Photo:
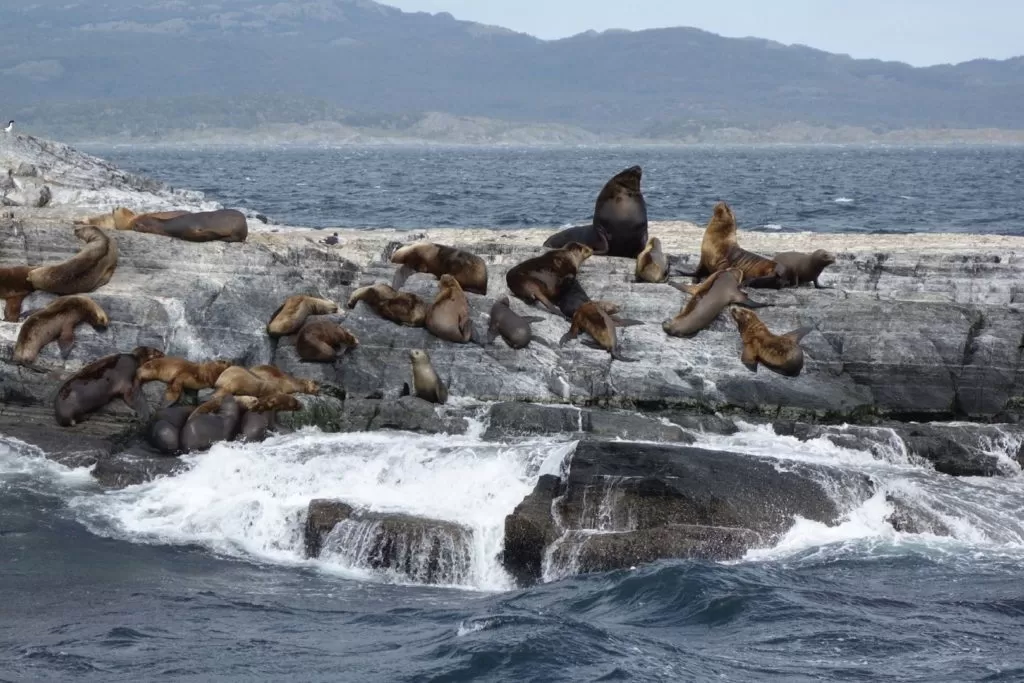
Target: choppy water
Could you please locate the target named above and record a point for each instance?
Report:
(830, 189)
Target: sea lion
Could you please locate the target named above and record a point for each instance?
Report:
(89, 269)
(181, 375)
(708, 299)
(225, 225)
(448, 317)
(320, 341)
(779, 353)
(804, 268)
(165, 431)
(261, 415)
(122, 218)
(651, 264)
(571, 298)
(203, 429)
(620, 219)
(719, 251)
(404, 308)
(593, 318)
(57, 321)
(285, 382)
(238, 381)
(426, 384)
(292, 314)
(438, 259)
(95, 385)
(513, 328)
(14, 287)
(544, 278)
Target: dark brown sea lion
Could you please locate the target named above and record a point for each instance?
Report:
(14, 287)
(779, 353)
(707, 301)
(438, 259)
(571, 298)
(620, 219)
(225, 225)
(285, 382)
(292, 314)
(203, 429)
(165, 431)
(803, 268)
(448, 317)
(57, 321)
(181, 375)
(593, 318)
(261, 415)
(651, 264)
(425, 381)
(544, 278)
(320, 341)
(89, 269)
(98, 383)
(719, 251)
(513, 328)
(404, 308)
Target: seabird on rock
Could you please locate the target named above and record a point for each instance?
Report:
(10, 126)
(332, 240)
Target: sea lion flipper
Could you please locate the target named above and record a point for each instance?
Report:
(590, 343)
(401, 275)
(543, 342)
(66, 340)
(685, 289)
(492, 334)
(533, 318)
(749, 358)
(12, 308)
(626, 322)
(567, 337)
(619, 357)
(799, 333)
(743, 300)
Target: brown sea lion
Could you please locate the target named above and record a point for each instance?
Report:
(448, 317)
(286, 383)
(238, 381)
(320, 341)
(275, 403)
(14, 287)
(544, 278)
(122, 218)
(203, 429)
(181, 375)
(803, 268)
(225, 225)
(438, 259)
(620, 219)
(425, 381)
(719, 251)
(708, 299)
(292, 314)
(779, 353)
(57, 321)
(513, 328)
(651, 264)
(261, 415)
(593, 318)
(404, 308)
(98, 383)
(89, 269)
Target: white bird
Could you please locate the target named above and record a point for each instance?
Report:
(10, 126)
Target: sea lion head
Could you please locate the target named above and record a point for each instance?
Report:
(419, 356)
(630, 178)
(309, 386)
(99, 317)
(88, 233)
(144, 354)
(654, 243)
(503, 300)
(723, 212)
(742, 316)
(822, 257)
(579, 252)
(123, 218)
(609, 307)
(736, 274)
(402, 253)
(449, 282)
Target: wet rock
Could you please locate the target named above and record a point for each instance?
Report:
(133, 468)
(910, 518)
(526, 419)
(633, 427)
(529, 530)
(321, 518)
(712, 424)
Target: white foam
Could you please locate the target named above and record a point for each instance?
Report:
(771, 226)
(19, 460)
(843, 200)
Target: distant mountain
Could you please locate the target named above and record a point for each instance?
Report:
(136, 65)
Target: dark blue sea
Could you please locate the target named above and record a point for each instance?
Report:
(202, 577)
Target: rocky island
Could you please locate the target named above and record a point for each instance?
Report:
(917, 340)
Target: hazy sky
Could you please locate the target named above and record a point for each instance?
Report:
(921, 32)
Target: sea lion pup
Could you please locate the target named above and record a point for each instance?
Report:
(57, 321)
(89, 269)
(804, 268)
(404, 308)
(425, 381)
(544, 278)
(513, 328)
(285, 382)
(95, 385)
(181, 375)
(719, 251)
(593, 318)
(292, 314)
(708, 299)
(203, 429)
(651, 264)
(14, 287)
(165, 430)
(620, 219)
(779, 353)
(320, 341)
(225, 225)
(438, 259)
(448, 317)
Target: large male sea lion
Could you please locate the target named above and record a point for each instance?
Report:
(544, 278)
(719, 251)
(57, 321)
(707, 300)
(513, 328)
(620, 219)
(203, 429)
(779, 353)
(448, 316)
(181, 375)
(292, 314)
(404, 308)
(438, 259)
(320, 341)
(803, 268)
(593, 318)
(95, 385)
(425, 381)
(225, 225)
(651, 264)
(89, 269)
(14, 287)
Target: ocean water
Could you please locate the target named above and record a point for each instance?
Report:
(829, 189)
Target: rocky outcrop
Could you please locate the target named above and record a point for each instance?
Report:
(506, 420)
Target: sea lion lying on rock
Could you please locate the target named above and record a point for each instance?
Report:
(545, 278)
(437, 259)
(286, 383)
(164, 432)
(57, 321)
(448, 316)
(513, 328)
(261, 415)
(89, 269)
(292, 314)
(803, 268)
(404, 308)
(225, 225)
(594, 319)
(202, 429)
(320, 341)
(14, 287)
(707, 301)
(620, 219)
(122, 218)
(95, 385)
(779, 353)
(181, 375)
